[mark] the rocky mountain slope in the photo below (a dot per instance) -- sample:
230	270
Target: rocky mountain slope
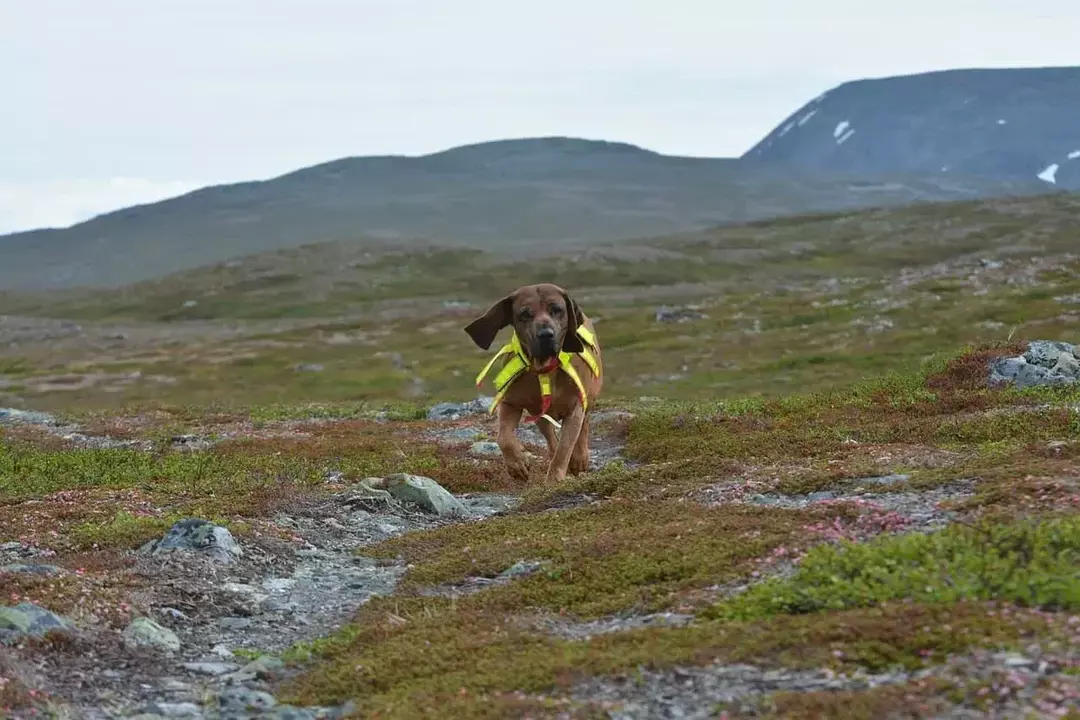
1010	124
502	196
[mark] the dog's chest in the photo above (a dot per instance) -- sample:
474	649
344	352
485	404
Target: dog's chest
526	394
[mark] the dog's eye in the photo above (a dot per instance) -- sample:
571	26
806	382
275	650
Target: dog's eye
524	313
556	310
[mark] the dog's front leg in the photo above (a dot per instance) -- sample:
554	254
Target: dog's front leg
579	458
568	436
512	451
552	437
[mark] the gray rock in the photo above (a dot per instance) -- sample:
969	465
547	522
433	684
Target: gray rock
309	367
213	669
368	494
14	416
261	668
35	569
459	434
522	568
679	315
237	699
490	504
425	493
884	480
1024	374
182	709
196	535
695	692
485	450
1067	365
278	585
33	620
222	651
447	411
1046	352
145	632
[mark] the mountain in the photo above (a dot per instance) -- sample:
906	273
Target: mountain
508	196
1010	124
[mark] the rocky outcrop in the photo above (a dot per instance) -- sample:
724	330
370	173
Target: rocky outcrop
1044	363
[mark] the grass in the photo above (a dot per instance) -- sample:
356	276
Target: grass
1029	563
414	657
629	556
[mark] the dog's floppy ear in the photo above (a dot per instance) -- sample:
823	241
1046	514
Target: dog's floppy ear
574	319
484	328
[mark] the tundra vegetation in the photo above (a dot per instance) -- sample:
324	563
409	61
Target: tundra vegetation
807	500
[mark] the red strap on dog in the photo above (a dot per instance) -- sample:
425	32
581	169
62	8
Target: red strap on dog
545	405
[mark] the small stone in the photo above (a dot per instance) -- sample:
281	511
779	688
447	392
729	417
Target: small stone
201	536
447	411
485	450
144	632
15	416
184	709
210	668
368	494
30	619
222	651
522	568
236	699
261	668
279	585
1018	661
424	493
679	315
235	623
885	479
309	367
47	570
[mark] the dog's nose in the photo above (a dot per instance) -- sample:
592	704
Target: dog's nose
545	333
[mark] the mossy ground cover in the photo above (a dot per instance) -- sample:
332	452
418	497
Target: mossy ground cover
634	541
907	600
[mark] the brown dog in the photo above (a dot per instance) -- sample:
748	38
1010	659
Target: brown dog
554	348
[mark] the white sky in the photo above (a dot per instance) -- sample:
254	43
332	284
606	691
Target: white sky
106	103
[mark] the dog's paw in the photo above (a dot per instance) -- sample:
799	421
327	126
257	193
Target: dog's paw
578	464
519	471
554	476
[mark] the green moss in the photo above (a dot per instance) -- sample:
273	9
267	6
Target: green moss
1030	563
124	530
405	656
609	557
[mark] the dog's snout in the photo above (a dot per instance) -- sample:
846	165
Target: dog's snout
546	333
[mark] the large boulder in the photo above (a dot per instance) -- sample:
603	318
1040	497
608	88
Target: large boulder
425	493
197	536
28	619
1044	362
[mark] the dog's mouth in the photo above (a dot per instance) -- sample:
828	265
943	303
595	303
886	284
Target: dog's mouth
543	350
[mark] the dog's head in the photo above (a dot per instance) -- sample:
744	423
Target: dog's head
544	317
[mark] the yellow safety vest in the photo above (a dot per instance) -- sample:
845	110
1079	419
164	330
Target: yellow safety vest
519	364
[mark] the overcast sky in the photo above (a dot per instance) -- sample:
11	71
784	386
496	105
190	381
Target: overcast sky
106	103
